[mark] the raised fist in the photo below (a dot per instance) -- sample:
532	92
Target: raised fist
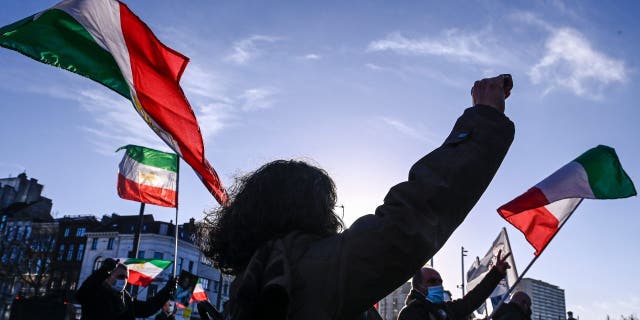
492	91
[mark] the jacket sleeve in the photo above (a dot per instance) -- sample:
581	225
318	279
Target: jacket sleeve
144	309
462	308
379	252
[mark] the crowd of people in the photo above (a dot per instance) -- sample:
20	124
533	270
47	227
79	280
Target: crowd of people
292	257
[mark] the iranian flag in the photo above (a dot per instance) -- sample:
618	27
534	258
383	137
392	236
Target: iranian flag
143	271
538	213
106	42
148	176
198	293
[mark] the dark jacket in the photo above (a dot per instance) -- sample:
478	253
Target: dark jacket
100	302
418	308
341	276
510	311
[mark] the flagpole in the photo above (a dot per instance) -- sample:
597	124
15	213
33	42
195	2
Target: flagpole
136	236
175	248
534	259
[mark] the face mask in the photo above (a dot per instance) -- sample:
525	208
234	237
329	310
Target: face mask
119	285
435	294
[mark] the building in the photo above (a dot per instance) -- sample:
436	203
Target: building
23	197
389	307
69	252
547	300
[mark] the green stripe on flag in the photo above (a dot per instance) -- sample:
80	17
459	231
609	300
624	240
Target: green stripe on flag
606	176
162	264
154	158
57	39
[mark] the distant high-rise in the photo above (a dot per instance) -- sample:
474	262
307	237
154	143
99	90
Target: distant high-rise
547	300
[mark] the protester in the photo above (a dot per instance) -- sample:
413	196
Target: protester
279	234
518	308
426	300
207	311
103	297
166	313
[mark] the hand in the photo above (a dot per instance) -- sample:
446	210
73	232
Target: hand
501	263
109	264
492	91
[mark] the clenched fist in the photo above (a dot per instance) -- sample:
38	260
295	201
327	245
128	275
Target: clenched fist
492	91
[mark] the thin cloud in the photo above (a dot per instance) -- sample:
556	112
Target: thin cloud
257	98
312	56
453	44
572	63
249	48
403	128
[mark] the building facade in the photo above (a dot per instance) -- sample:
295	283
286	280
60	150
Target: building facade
389	307
547	300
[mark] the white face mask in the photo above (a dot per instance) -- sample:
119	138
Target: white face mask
119	285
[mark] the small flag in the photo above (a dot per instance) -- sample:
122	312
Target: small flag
198	293
106	42
143	271
481	267
538	213
186	286
148	176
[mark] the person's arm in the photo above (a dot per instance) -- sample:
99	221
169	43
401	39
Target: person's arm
379	252
477	296
144	309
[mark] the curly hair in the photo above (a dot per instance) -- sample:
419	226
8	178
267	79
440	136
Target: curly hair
280	197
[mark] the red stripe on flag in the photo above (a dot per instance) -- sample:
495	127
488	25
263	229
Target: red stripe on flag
528	214
138	279
130	190
198	296
156	71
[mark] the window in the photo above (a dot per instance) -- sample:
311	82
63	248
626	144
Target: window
225	288
180	261
3	222
66	232
163	229
158	255
94	244
80	252
80	232
98	263
110	244
60	252
27	232
205	283
216	284
18	233
10	234
70	253
140	254
190	265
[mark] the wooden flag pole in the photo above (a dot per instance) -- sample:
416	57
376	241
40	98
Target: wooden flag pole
534	260
175	248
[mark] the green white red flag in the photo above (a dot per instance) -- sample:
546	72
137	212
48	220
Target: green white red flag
106	42
538	213
143	271
149	176
198	293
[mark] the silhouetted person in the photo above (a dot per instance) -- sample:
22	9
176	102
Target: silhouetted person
279	234
103	297
426	301
166	313
518	308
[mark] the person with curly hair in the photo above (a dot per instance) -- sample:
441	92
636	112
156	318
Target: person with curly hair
279	235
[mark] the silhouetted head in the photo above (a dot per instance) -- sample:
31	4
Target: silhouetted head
280	197
425	278
522	300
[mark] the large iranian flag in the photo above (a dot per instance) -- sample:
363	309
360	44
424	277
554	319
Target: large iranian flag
104	41
143	271
148	176
538	213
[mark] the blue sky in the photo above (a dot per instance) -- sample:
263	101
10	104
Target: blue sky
363	89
